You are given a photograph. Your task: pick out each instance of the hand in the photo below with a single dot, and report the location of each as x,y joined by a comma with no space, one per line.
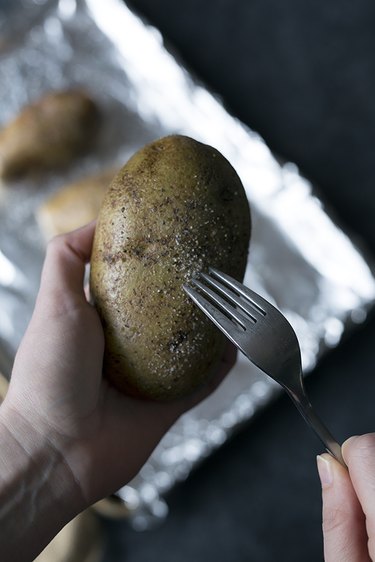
60,408
349,502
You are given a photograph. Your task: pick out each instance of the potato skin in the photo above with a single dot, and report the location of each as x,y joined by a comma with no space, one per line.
176,208
48,134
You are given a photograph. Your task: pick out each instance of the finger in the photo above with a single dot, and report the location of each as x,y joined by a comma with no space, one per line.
344,529
359,454
66,257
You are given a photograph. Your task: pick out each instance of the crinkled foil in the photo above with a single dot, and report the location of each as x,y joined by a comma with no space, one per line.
299,259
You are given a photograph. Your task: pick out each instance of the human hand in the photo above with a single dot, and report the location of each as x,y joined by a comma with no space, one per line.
349,502
57,390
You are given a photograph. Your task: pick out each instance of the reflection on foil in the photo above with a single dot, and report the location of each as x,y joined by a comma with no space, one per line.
8,273
299,259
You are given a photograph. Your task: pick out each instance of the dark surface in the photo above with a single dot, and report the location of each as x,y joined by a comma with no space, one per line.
303,75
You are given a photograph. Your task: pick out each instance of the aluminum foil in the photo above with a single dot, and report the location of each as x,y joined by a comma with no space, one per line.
299,259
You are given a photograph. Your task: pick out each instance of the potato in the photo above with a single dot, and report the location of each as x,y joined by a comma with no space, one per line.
48,134
176,208
73,205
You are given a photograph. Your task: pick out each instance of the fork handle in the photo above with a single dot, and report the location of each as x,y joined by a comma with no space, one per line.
304,407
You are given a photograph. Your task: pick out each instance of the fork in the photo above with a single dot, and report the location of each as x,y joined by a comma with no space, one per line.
264,336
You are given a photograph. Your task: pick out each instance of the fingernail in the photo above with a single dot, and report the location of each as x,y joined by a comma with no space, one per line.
325,471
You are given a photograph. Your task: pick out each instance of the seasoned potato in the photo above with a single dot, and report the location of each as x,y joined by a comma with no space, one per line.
176,208
48,134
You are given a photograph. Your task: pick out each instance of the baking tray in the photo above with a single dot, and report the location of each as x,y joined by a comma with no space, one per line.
299,258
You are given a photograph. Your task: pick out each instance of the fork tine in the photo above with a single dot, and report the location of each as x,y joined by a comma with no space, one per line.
218,318
253,298
223,305
248,308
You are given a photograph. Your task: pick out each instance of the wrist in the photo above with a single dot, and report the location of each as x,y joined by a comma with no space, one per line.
38,493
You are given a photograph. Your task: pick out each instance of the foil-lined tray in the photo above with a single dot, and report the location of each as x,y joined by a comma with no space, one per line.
299,259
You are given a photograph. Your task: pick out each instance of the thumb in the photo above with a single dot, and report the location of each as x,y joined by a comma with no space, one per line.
63,271
344,530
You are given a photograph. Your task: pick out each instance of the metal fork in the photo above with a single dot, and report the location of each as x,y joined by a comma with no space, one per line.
264,335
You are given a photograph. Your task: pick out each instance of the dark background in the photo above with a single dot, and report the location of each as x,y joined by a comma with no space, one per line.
302,74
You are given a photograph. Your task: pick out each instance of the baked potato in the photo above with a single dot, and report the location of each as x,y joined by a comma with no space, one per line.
176,208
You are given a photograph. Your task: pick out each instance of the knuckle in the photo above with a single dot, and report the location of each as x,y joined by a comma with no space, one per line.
65,245
57,243
334,520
